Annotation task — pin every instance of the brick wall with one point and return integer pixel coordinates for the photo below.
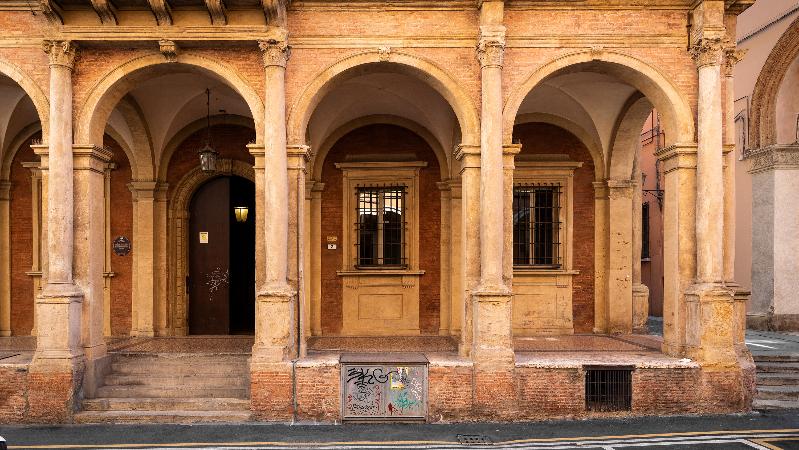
(13, 394)
(541, 138)
(229, 140)
(370, 140)
(271, 393)
(319, 393)
(545, 392)
(121, 225)
(21, 228)
(450, 393)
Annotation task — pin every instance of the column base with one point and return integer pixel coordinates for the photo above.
(58, 312)
(492, 344)
(711, 328)
(275, 324)
(640, 308)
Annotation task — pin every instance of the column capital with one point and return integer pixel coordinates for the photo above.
(143, 190)
(276, 52)
(600, 189)
(620, 189)
(707, 52)
(732, 56)
(774, 157)
(298, 155)
(61, 53)
(91, 157)
(509, 152)
(491, 46)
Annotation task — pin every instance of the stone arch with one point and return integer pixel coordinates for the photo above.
(673, 106)
(36, 94)
(107, 92)
(26, 134)
(375, 61)
(318, 159)
(590, 140)
(763, 123)
(178, 225)
(140, 150)
(199, 124)
(627, 137)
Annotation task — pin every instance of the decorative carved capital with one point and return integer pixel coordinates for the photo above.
(707, 52)
(490, 52)
(384, 53)
(773, 157)
(169, 49)
(275, 53)
(732, 56)
(61, 53)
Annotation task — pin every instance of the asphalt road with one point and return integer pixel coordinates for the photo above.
(777, 430)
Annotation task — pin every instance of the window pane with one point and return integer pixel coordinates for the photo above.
(381, 226)
(522, 230)
(536, 225)
(367, 227)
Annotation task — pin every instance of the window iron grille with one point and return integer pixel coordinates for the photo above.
(380, 227)
(608, 388)
(537, 225)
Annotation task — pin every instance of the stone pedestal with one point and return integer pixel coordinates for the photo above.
(640, 308)
(711, 332)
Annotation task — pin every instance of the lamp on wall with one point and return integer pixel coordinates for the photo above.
(241, 213)
(208, 155)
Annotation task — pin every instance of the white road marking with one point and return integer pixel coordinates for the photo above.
(761, 345)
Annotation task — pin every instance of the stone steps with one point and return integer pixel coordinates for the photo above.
(790, 393)
(166, 404)
(172, 388)
(777, 382)
(172, 416)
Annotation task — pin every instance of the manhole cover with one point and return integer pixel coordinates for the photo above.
(474, 439)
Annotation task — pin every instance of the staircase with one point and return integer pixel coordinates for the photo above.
(172, 388)
(777, 382)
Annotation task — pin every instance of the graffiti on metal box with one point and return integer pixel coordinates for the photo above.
(383, 391)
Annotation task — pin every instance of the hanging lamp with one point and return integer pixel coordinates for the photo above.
(208, 156)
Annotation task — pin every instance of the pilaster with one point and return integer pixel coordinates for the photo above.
(5, 258)
(601, 220)
(144, 276)
(469, 157)
(620, 251)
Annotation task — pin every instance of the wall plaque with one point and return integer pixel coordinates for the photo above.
(121, 246)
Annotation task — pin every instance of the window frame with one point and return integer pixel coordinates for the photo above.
(556, 246)
(380, 227)
(549, 169)
(357, 175)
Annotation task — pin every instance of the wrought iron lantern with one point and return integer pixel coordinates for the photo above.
(208, 156)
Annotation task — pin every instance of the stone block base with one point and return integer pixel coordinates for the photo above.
(776, 322)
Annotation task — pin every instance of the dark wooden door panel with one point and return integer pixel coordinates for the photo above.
(209, 262)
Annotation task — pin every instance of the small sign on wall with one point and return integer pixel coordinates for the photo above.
(121, 246)
(203, 237)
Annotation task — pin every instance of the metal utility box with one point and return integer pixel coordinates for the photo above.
(384, 387)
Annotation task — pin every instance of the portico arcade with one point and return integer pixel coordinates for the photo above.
(473, 200)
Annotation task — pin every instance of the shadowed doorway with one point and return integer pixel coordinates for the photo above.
(222, 257)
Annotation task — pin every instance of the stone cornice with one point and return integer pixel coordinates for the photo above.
(774, 157)
(61, 53)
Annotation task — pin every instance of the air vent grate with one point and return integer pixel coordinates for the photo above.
(474, 439)
(608, 388)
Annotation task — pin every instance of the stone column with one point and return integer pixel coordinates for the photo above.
(492, 347)
(775, 186)
(640, 290)
(711, 308)
(298, 156)
(144, 277)
(620, 251)
(89, 176)
(275, 306)
(600, 256)
(57, 362)
(469, 156)
(5, 258)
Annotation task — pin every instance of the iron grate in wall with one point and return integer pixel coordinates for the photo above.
(608, 388)
(474, 439)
